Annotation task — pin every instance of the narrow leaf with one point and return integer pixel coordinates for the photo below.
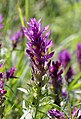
(21, 16)
(23, 90)
(74, 81)
(78, 85)
(27, 9)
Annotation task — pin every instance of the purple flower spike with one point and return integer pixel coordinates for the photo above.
(10, 74)
(55, 74)
(56, 113)
(2, 91)
(37, 47)
(65, 59)
(15, 38)
(79, 54)
(3, 78)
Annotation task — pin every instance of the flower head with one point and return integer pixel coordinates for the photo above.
(79, 54)
(37, 47)
(2, 91)
(3, 78)
(64, 93)
(15, 38)
(56, 78)
(65, 59)
(75, 112)
(56, 113)
(10, 74)
(55, 72)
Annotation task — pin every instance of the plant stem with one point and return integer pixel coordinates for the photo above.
(38, 98)
(1, 111)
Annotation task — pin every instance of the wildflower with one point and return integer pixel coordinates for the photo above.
(55, 74)
(15, 38)
(10, 74)
(38, 51)
(76, 113)
(64, 93)
(2, 97)
(3, 78)
(56, 113)
(2, 90)
(78, 53)
(65, 59)
(37, 47)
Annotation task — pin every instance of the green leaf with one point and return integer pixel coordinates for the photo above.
(74, 81)
(20, 15)
(26, 115)
(78, 85)
(27, 9)
(23, 90)
(8, 111)
(48, 104)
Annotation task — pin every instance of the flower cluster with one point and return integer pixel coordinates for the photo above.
(56, 113)
(55, 73)
(79, 54)
(3, 78)
(65, 59)
(10, 73)
(56, 78)
(37, 47)
(60, 115)
(1, 24)
(15, 38)
(2, 90)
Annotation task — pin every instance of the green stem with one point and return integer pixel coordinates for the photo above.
(57, 92)
(1, 111)
(38, 98)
